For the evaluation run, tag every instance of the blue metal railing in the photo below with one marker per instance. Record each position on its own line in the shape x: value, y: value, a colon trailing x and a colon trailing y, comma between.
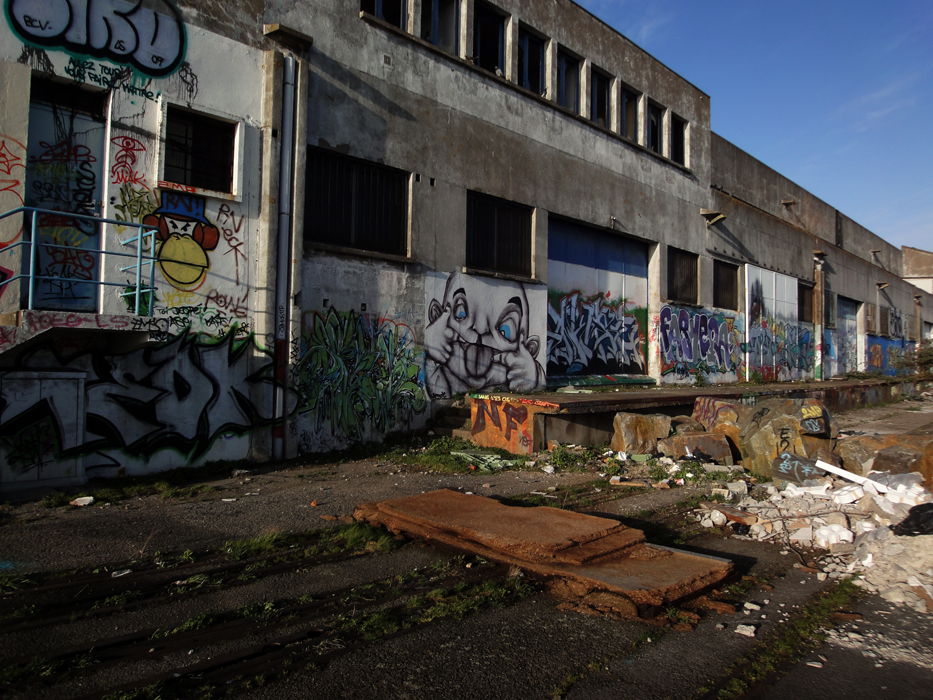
x: 32, y: 247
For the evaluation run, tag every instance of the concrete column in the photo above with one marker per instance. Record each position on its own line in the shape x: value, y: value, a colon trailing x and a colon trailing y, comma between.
x: 511, y: 49
x: 466, y: 28
x: 550, y: 69
x: 657, y: 291
x: 414, y: 17
x: 14, y: 127
x: 643, y: 119
x: 819, y: 317
x: 615, y: 106
x: 705, y: 281
x: 586, y: 87
x: 666, y: 134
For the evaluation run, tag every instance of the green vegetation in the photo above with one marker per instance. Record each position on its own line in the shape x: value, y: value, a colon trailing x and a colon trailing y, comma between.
x: 786, y: 644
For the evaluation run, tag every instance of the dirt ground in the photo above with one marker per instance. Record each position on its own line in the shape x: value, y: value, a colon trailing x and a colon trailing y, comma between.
x: 525, y: 647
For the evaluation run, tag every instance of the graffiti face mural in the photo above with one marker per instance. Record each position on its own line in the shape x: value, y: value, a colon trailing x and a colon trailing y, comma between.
x: 479, y: 337
x: 186, y: 236
x: 149, y: 36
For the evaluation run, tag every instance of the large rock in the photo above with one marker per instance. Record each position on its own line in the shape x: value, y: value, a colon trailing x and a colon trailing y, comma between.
x: 686, y: 424
x: 723, y: 417
x: 780, y: 426
x: 638, y: 433
x: 707, y: 447
x: 898, y: 454
x: 925, y: 466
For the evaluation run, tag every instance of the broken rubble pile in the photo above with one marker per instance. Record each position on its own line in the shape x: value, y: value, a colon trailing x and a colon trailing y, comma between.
x: 853, y: 521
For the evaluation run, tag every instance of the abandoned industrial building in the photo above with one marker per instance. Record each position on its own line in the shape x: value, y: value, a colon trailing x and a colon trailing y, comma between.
x: 285, y: 227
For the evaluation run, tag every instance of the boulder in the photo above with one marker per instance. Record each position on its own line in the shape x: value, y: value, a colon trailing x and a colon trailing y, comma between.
x: 925, y: 466
x: 898, y: 454
x: 706, y: 447
x: 638, y: 433
x: 779, y: 426
x: 686, y: 424
x: 719, y: 416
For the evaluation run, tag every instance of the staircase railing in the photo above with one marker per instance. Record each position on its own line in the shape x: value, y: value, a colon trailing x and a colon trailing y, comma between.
x: 32, y: 245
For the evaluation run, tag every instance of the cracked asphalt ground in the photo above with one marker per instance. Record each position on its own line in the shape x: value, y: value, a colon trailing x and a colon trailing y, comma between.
x: 308, y: 618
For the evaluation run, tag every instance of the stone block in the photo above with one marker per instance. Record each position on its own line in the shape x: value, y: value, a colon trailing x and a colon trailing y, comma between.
x: 638, y: 433
x: 707, y: 447
x: 925, y: 466
x: 898, y: 454
x: 686, y: 424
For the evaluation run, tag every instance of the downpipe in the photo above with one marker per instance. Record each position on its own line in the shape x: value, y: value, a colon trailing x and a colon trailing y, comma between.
x: 283, y: 256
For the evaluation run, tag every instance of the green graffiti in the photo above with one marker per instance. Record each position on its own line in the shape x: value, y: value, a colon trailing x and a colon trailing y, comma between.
x: 356, y: 370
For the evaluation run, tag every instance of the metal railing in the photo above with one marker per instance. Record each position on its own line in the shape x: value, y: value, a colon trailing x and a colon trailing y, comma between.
x: 32, y: 246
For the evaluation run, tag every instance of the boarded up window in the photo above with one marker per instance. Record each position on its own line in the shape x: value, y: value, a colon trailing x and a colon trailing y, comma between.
x: 829, y: 309
x: 682, y: 276
x: 884, y: 320
x: 355, y: 204
x: 725, y: 285
x: 804, y: 302
x: 498, y: 235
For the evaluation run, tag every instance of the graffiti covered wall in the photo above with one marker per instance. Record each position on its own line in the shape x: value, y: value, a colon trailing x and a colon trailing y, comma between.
x: 695, y: 342
x: 481, y: 334
x: 176, y: 403
x: 597, y: 301
x: 840, y: 344
x: 888, y: 355
x: 779, y: 347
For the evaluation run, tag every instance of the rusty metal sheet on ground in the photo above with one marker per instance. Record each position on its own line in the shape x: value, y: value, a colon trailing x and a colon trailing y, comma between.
x: 588, y: 553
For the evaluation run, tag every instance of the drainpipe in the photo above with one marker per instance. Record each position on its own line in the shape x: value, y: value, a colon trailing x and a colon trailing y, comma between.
x: 283, y: 257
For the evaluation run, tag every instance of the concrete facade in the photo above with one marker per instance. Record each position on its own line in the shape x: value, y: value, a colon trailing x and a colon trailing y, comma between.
x: 523, y: 198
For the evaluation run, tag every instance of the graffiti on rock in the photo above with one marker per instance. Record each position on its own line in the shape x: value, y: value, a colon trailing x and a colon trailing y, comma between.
x: 590, y: 335
x: 185, y: 237
x: 181, y: 395
x: 502, y: 423
x: 697, y: 340
x: 357, y: 375
x: 150, y: 36
x: 478, y: 338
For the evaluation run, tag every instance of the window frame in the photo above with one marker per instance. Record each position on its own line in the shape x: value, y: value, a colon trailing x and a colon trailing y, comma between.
x: 477, y: 250
x: 805, y: 294
x: 399, y: 246
x: 525, y: 37
x: 485, y: 11
x: 377, y: 9
x: 628, y: 129
x: 598, y: 76
x: 679, y: 139
x: 654, y: 137
x: 432, y: 34
x: 721, y: 269
x: 564, y: 57
x: 209, y: 119
x: 675, y: 272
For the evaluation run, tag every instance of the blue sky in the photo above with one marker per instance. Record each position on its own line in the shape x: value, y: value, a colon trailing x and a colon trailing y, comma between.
x: 837, y: 96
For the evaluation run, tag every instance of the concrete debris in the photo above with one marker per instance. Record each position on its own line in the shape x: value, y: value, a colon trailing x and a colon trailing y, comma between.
x: 746, y: 630
x: 83, y: 501
x: 487, y: 462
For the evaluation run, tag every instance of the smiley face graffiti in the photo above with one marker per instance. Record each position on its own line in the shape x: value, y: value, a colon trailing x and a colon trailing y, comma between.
x: 186, y: 237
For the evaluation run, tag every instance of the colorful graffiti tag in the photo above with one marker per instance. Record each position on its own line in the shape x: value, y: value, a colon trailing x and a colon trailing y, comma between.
x: 779, y: 350
x: 479, y: 337
x: 149, y: 36
x: 698, y: 341
x: 591, y: 335
x: 178, y: 397
x: 357, y: 376
x: 186, y: 236
x: 888, y: 355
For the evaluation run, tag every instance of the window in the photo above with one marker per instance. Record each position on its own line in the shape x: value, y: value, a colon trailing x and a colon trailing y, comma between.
x: 530, y: 62
x: 391, y: 11
x: 884, y: 321
x: 678, y: 140
x: 829, y: 309
x: 725, y: 285
x: 682, y: 276
x: 599, y: 105
x: 629, y: 110
x: 804, y: 302
x: 498, y: 235
x: 440, y: 24
x: 655, y: 128
x: 199, y: 150
x: 488, y: 39
x: 355, y: 204
x: 568, y: 81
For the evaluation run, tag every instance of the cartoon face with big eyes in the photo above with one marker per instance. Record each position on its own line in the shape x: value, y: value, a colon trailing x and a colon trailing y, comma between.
x: 478, y: 338
x: 186, y: 235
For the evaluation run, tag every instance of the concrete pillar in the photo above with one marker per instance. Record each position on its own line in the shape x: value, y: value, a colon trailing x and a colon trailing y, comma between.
x: 615, y: 106
x: 14, y: 129
x: 414, y: 17
x: 466, y: 28
x: 586, y: 87
x: 550, y: 69
x: 539, y: 220
x: 657, y: 291
x: 511, y: 49
x: 819, y: 317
